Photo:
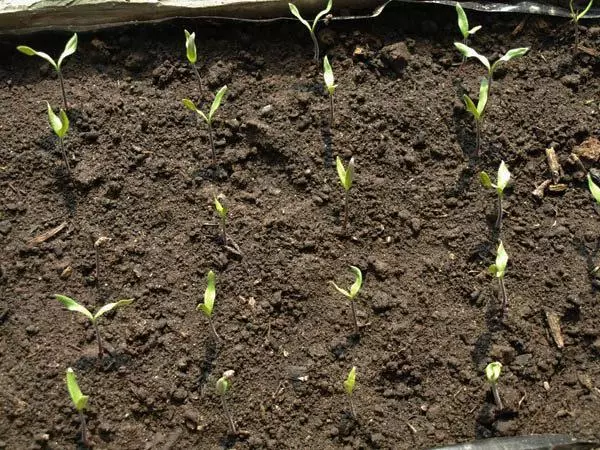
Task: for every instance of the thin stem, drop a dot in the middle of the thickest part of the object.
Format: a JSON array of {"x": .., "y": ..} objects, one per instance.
[
  {"x": 223, "y": 230},
  {"x": 345, "y": 210},
  {"x": 316, "y": 45},
  {"x": 477, "y": 136},
  {"x": 331, "y": 111},
  {"x": 62, "y": 88},
  {"x": 503, "y": 296},
  {"x": 197, "y": 76},
  {"x": 356, "y": 329},
  {"x": 352, "y": 409},
  {"x": 232, "y": 428},
  {"x": 213, "y": 329},
  {"x": 97, "y": 265},
  {"x": 500, "y": 214},
  {"x": 497, "y": 396},
  {"x": 84, "y": 438},
  {"x": 99, "y": 341},
  {"x": 212, "y": 144},
  {"x": 61, "y": 144},
  {"x": 576, "y": 47}
]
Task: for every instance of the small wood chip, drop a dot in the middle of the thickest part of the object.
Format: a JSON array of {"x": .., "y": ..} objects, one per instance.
[
  {"x": 561, "y": 187},
  {"x": 555, "y": 168},
  {"x": 554, "y": 325},
  {"x": 538, "y": 192},
  {"x": 46, "y": 235}
]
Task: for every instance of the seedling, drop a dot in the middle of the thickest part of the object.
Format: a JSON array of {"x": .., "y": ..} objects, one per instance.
[
  {"x": 208, "y": 118},
  {"x": 209, "y": 302},
  {"x": 575, "y": 17},
  {"x": 190, "y": 51},
  {"x": 223, "y": 385},
  {"x": 222, "y": 212},
  {"x": 349, "y": 388},
  {"x": 97, "y": 244},
  {"x": 60, "y": 126},
  {"x": 463, "y": 24},
  {"x": 72, "y": 305},
  {"x": 329, "y": 84},
  {"x": 492, "y": 373},
  {"x": 346, "y": 176},
  {"x": 352, "y": 293},
  {"x": 498, "y": 270},
  {"x": 594, "y": 189},
  {"x": 511, "y": 54},
  {"x": 311, "y": 28},
  {"x": 70, "y": 48},
  {"x": 79, "y": 400},
  {"x": 500, "y": 186},
  {"x": 478, "y": 110}
]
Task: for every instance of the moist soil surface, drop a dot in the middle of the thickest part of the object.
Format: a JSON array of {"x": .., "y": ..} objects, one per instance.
[{"x": 421, "y": 229}]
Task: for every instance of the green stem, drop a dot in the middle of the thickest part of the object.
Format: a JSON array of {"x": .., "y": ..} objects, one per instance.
[
  {"x": 345, "y": 210},
  {"x": 198, "y": 77},
  {"x": 61, "y": 144},
  {"x": 62, "y": 88},
  {"x": 576, "y": 47},
  {"x": 331, "y": 111},
  {"x": 212, "y": 144},
  {"x": 500, "y": 214},
  {"x": 503, "y": 295},
  {"x": 84, "y": 437},
  {"x": 477, "y": 136},
  {"x": 356, "y": 329},
  {"x": 497, "y": 396},
  {"x": 99, "y": 341},
  {"x": 316, "y": 45},
  {"x": 214, "y": 330}
]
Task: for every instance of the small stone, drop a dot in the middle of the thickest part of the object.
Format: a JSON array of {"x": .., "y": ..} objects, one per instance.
[
  {"x": 333, "y": 431},
  {"x": 589, "y": 150},
  {"x": 571, "y": 81},
  {"x": 506, "y": 427},
  {"x": 5, "y": 227},
  {"x": 415, "y": 225},
  {"x": 376, "y": 439},
  {"x": 42, "y": 438},
  {"x": 266, "y": 110},
  {"x": 179, "y": 395},
  {"x": 32, "y": 330}
]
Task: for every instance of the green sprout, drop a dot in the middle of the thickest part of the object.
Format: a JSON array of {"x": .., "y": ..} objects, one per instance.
[
  {"x": 463, "y": 24},
  {"x": 477, "y": 111},
  {"x": 190, "y": 51},
  {"x": 79, "y": 400},
  {"x": 72, "y": 305},
  {"x": 468, "y": 52},
  {"x": 492, "y": 373},
  {"x": 575, "y": 17},
  {"x": 594, "y": 189},
  {"x": 500, "y": 186},
  {"x": 329, "y": 84},
  {"x": 311, "y": 28},
  {"x": 498, "y": 269},
  {"x": 222, "y": 212},
  {"x": 223, "y": 385},
  {"x": 70, "y": 48},
  {"x": 352, "y": 293},
  {"x": 349, "y": 388},
  {"x": 346, "y": 176},
  {"x": 209, "y": 302},
  {"x": 208, "y": 118},
  {"x": 60, "y": 125}
]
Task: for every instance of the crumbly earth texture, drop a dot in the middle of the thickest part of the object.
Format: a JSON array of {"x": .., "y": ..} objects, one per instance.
[{"x": 421, "y": 228}]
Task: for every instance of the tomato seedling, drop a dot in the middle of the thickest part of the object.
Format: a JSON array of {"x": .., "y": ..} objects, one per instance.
[
  {"x": 463, "y": 24},
  {"x": 223, "y": 386},
  {"x": 500, "y": 186},
  {"x": 311, "y": 28},
  {"x": 575, "y": 17},
  {"x": 222, "y": 213},
  {"x": 60, "y": 125},
  {"x": 80, "y": 402},
  {"x": 498, "y": 269},
  {"x": 209, "y": 302},
  {"x": 349, "y": 389},
  {"x": 329, "y": 84},
  {"x": 346, "y": 176},
  {"x": 492, "y": 373},
  {"x": 70, "y": 48},
  {"x": 352, "y": 293},
  {"x": 478, "y": 111},
  {"x": 208, "y": 118},
  {"x": 72, "y": 305},
  {"x": 468, "y": 52},
  {"x": 190, "y": 52}
]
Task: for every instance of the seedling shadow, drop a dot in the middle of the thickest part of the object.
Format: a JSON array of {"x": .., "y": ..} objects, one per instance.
[
  {"x": 110, "y": 363},
  {"x": 66, "y": 188},
  {"x": 348, "y": 423},
  {"x": 207, "y": 363},
  {"x": 352, "y": 340},
  {"x": 327, "y": 136},
  {"x": 590, "y": 257}
]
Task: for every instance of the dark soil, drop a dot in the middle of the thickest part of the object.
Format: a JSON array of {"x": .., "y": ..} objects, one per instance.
[{"x": 420, "y": 228}]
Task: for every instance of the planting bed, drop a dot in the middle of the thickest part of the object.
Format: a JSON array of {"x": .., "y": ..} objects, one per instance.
[{"x": 421, "y": 229}]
